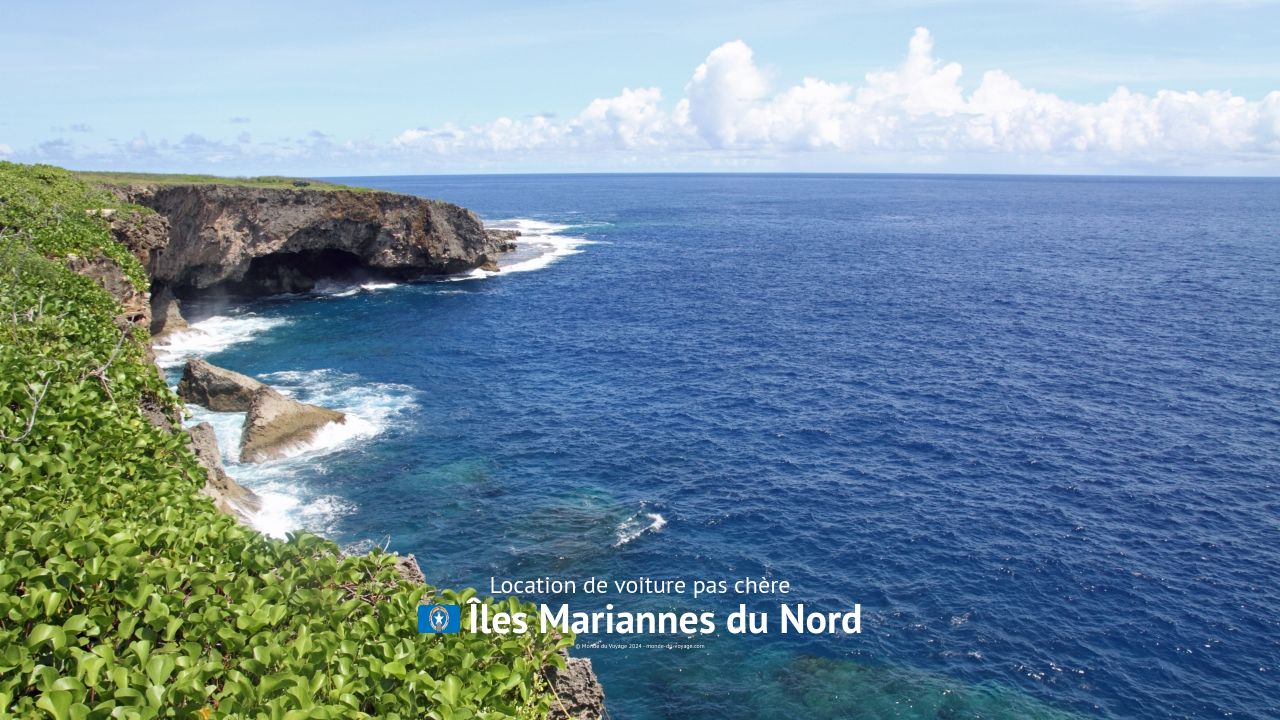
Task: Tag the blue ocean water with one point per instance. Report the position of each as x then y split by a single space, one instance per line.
1032 425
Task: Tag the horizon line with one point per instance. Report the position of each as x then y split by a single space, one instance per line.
639 173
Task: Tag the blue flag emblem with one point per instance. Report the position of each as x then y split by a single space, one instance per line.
439 618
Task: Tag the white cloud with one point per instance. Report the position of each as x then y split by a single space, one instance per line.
919 87
5 150
723 91
918 109
730 116
630 120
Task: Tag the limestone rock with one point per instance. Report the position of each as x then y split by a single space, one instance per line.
275 422
144 234
109 275
160 412
216 388
228 495
166 314
251 241
503 240
407 566
578 692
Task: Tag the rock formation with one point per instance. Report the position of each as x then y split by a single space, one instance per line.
216 388
407 566
250 241
144 234
166 314
109 275
228 495
578 692
275 422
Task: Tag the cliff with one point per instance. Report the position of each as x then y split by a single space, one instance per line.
247 241
105 519
103 497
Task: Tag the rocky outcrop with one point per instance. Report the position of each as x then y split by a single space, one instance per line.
228 495
161 411
166 314
216 388
250 241
577 690
504 240
144 234
407 567
274 423
135 304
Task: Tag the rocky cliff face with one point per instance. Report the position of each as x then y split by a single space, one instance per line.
144 236
249 241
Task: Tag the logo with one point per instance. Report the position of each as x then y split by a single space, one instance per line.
439 618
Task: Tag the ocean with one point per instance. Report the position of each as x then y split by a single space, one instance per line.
1030 425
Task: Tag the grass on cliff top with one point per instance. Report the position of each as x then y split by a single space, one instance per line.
47 210
125 594
265 181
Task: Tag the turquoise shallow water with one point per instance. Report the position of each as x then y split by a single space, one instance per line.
1031 425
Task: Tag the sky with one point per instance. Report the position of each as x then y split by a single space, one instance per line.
1169 87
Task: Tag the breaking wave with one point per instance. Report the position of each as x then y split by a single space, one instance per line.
637 525
210 336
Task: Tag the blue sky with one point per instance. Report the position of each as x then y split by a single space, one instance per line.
344 88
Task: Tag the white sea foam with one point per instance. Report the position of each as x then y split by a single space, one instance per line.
637 525
341 289
284 511
540 244
287 505
209 336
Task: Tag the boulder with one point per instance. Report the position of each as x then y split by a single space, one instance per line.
216 388
228 496
275 422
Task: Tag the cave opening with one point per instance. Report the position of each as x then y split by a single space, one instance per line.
297 272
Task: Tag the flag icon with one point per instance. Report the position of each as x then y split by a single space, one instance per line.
439 618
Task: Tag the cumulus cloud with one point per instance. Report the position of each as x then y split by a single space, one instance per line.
5 150
917 108
730 115
723 90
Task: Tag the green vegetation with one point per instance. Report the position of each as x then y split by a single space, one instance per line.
124 593
44 208
266 181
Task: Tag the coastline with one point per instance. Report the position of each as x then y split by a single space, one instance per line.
576 687
104 253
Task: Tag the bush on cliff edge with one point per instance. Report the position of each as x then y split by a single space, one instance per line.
124 593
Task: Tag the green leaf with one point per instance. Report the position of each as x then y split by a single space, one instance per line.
159 667
450 689
51 634
57 703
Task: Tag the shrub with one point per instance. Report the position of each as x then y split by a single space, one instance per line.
124 593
